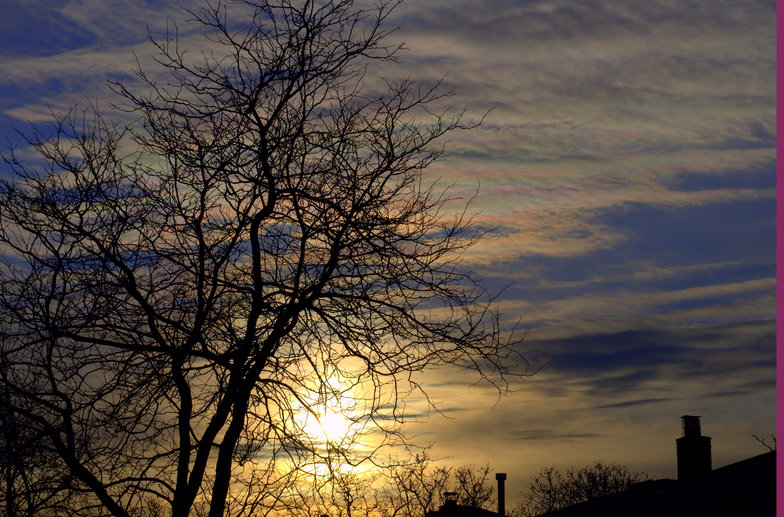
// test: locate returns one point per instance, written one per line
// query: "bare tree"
(178, 294)
(473, 486)
(26, 489)
(552, 489)
(547, 492)
(416, 488)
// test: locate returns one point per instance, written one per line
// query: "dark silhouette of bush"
(553, 489)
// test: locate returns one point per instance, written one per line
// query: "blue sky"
(627, 169)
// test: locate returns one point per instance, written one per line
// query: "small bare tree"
(552, 489)
(547, 492)
(416, 488)
(178, 294)
(473, 486)
(27, 489)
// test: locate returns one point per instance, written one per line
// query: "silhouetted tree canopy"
(418, 487)
(260, 241)
(553, 489)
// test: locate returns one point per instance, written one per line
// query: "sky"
(625, 168)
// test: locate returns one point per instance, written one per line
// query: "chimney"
(694, 450)
(501, 477)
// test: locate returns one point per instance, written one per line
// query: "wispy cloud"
(630, 403)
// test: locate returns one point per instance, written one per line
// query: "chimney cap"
(691, 425)
(500, 476)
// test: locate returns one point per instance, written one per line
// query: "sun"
(327, 416)
(328, 424)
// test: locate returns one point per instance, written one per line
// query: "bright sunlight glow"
(329, 425)
(329, 418)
